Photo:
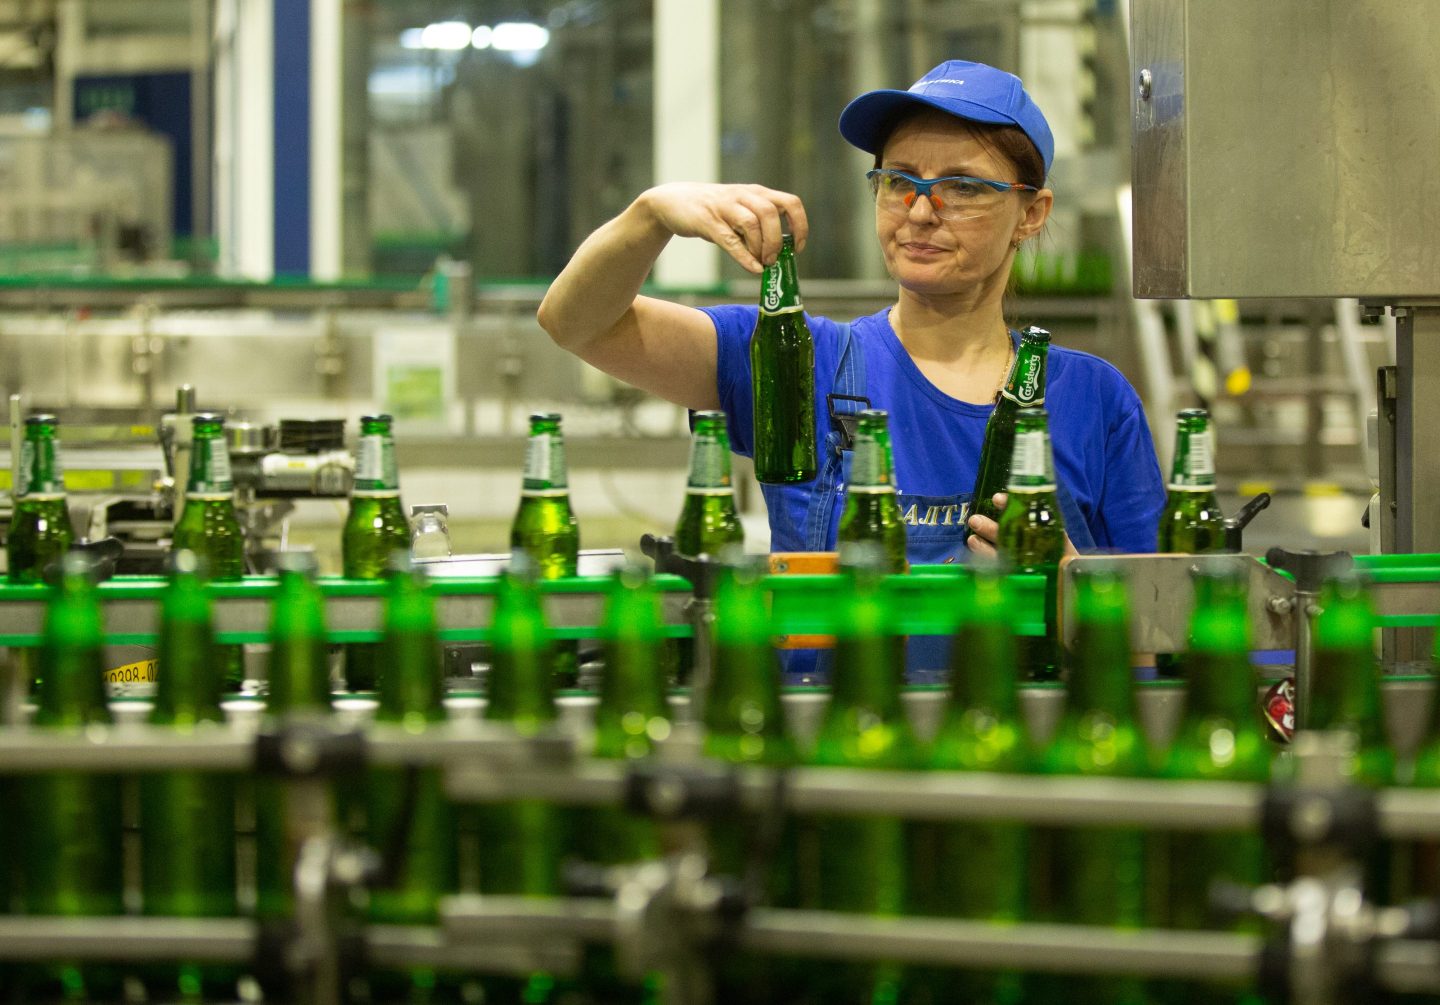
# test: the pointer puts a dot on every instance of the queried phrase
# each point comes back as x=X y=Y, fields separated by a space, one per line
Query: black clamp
x=1235 y=525
x=1310 y=568
x=308 y=750
x=845 y=421
x=702 y=570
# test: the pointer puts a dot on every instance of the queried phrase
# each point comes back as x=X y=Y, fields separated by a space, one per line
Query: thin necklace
x=1005 y=371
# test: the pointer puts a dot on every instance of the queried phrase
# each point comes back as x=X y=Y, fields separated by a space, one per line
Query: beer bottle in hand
x=872 y=513
x=1024 y=388
x=375 y=528
x=209 y=527
x=1032 y=532
x=187 y=818
x=708 y=521
x=782 y=370
x=40 y=529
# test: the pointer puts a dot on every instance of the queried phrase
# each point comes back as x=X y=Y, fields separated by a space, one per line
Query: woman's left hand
x=984 y=530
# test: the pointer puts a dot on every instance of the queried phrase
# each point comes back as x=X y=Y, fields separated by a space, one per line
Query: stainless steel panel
x=1288 y=148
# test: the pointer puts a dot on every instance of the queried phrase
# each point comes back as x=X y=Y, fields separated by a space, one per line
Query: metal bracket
x=845 y=421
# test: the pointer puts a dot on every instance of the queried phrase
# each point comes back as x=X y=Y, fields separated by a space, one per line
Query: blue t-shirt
x=1111 y=489
x=1111 y=492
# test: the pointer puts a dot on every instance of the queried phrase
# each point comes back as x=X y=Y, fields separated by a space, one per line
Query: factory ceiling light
x=446 y=35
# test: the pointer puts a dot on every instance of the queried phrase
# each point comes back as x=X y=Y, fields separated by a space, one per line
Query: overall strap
x=847 y=398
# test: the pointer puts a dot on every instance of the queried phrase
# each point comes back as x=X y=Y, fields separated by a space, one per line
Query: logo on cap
x=941 y=80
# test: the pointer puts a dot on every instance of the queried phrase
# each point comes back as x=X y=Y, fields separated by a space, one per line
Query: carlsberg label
x=1024 y=388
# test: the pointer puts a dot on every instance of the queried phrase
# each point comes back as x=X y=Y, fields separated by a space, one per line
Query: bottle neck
x=780 y=286
x=412 y=688
x=521 y=691
x=187 y=688
x=41 y=476
x=709 y=466
x=376 y=473
x=1032 y=465
x=864 y=676
x=1100 y=680
x=870 y=470
x=1026 y=384
x=545 y=470
x=985 y=678
x=72 y=686
x=209 y=469
x=1194 y=466
x=299 y=670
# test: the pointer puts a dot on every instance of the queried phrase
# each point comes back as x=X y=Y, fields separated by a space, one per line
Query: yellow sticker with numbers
x=140 y=672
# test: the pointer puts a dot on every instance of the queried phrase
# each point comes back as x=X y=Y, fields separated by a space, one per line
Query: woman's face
x=928 y=255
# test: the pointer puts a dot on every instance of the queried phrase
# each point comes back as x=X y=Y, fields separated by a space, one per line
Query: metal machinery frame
x=668 y=915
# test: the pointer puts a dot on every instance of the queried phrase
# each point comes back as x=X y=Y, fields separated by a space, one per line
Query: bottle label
x=709 y=466
x=772 y=294
x=1195 y=467
x=34 y=488
x=1030 y=471
x=1026 y=385
x=868 y=470
x=375 y=470
x=545 y=466
x=211 y=476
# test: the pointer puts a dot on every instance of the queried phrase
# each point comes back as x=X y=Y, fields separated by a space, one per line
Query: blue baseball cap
x=966 y=90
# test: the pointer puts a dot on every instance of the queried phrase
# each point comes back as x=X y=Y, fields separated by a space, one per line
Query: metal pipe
x=1306 y=607
x=130 y=940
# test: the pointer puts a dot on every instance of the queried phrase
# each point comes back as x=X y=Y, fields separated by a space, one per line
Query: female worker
x=960 y=159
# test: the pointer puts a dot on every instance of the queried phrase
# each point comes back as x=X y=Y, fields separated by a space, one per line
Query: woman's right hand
x=744 y=220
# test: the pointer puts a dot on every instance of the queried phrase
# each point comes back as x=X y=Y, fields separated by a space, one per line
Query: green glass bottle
x=1345 y=698
x=745 y=724
x=69 y=823
x=411 y=695
x=1423 y=857
x=1032 y=533
x=782 y=366
x=974 y=870
x=1345 y=691
x=708 y=520
x=1192 y=522
x=521 y=842
x=208 y=525
x=545 y=527
x=375 y=528
x=631 y=717
x=872 y=512
x=1220 y=739
x=187 y=818
x=1024 y=388
x=40 y=529
x=1097 y=874
x=298 y=680
x=859 y=861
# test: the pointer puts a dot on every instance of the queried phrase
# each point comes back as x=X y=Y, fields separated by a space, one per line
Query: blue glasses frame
x=924 y=185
